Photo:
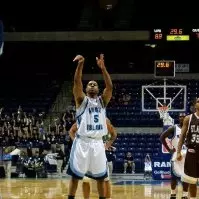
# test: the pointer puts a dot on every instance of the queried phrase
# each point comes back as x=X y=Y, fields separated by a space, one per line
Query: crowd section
x=27 y=129
x=32 y=149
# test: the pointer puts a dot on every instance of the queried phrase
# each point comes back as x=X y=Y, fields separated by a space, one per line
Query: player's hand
x=179 y=156
x=79 y=58
x=100 y=61
x=107 y=145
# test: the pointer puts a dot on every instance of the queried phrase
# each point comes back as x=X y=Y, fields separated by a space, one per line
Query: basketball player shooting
x=177 y=168
x=88 y=152
x=190 y=131
x=86 y=181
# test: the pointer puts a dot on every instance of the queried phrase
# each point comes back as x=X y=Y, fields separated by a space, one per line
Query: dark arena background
x=151 y=50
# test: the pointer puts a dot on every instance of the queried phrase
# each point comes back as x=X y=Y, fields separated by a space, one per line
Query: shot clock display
x=175 y=34
x=164 y=69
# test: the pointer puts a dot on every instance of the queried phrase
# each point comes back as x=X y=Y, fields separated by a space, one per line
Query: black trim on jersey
x=101 y=101
x=86 y=104
x=174 y=132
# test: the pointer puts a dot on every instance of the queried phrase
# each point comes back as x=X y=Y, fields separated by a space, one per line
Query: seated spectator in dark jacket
x=129 y=163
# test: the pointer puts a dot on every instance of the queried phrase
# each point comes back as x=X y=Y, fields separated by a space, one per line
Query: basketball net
x=164 y=115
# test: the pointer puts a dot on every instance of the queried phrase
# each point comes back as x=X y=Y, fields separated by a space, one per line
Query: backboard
x=172 y=95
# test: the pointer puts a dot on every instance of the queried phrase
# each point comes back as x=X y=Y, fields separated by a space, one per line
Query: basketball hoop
x=163 y=110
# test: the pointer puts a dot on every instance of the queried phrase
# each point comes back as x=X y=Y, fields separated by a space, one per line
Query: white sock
x=173 y=191
x=185 y=194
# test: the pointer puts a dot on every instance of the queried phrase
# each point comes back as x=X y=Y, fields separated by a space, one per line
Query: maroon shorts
x=191 y=167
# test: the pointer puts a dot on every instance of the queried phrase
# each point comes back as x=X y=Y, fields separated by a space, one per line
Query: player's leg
x=98 y=165
x=125 y=166
x=73 y=184
x=173 y=188
x=110 y=168
x=133 y=167
x=185 y=187
x=86 y=187
x=78 y=165
x=173 y=182
x=86 y=190
x=146 y=174
x=108 y=190
x=193 y=191
x=107 y=184
x=100 y=188
x=191 y=172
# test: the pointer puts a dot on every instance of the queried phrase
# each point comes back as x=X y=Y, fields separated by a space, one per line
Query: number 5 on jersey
x=96 y=118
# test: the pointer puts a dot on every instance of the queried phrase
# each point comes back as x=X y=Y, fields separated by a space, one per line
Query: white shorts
x=178 y=166
x=88 y=157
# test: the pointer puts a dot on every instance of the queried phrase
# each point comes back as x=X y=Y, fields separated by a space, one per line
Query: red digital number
x=174 y=31
x=158 y=36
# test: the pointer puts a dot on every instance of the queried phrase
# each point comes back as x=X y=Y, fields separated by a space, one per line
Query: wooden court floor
x=58 y=189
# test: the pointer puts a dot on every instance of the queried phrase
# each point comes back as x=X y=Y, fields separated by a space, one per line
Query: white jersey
x=175 y=140
x=91 y=118
x=176 y=137
x=147 y=166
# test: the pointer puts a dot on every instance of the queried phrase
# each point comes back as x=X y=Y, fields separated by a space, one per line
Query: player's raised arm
x=182 y=136
x=78 y=86
x=169 y=132
x=107 y=93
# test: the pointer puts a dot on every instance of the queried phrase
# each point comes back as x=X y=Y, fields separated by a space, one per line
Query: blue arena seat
x=133 y=140
x=138 y=155
x=120 y=155
x=133 y=144
x=122 y=149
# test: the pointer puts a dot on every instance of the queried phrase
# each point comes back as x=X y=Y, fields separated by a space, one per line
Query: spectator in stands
x=7 y=160
x=110 y=155
x=126 y=99
x=60 y=159
x=129 y=163
x=68 y=119
x=147 y=166
x=37 y=156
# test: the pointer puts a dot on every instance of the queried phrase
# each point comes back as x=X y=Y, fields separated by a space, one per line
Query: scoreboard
x=175 y=34
x=164 y=69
